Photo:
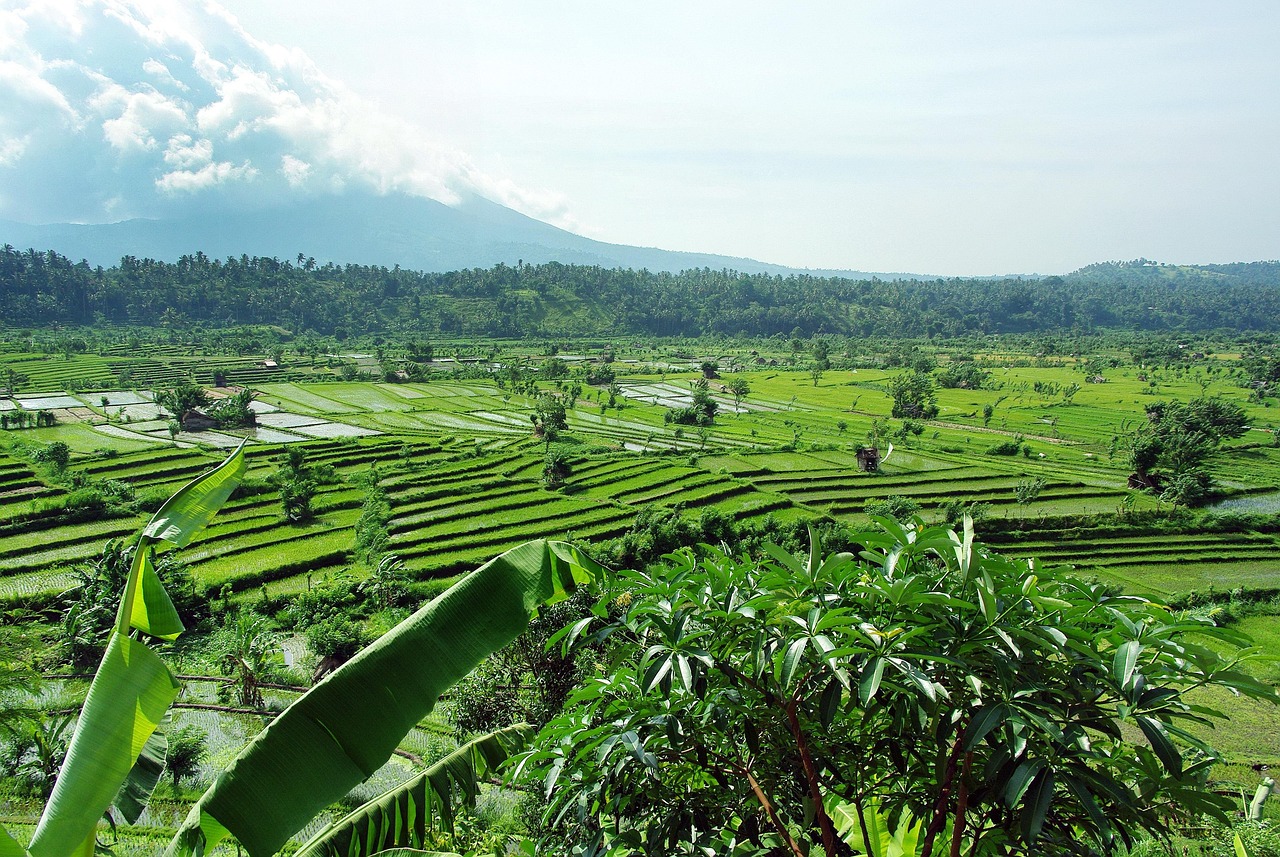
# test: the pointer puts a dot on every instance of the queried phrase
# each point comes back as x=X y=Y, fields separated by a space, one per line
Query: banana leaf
x=402 y=816
x=9 y=846
x=337 y=734
x=132 y=689
x=136 y=790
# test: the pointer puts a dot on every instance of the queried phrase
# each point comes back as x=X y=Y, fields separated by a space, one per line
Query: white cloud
x=184 y=153
x=295 y=171
x=141 y=104
x=11 y=150
x=159 y=70
x=208 y=176
x=140 y=116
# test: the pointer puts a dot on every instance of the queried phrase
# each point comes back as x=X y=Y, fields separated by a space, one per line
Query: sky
x=986 y=137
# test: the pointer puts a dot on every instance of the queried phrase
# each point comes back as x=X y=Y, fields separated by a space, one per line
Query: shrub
x=742 y=706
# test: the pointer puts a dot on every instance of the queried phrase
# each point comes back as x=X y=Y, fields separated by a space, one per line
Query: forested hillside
x=555 y=299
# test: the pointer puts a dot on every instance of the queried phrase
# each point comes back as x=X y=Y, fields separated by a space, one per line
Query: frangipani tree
x=923 y=695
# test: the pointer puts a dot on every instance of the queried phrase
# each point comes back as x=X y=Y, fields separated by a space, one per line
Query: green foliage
x=913 y=396
x=556 y=467
x=549 y=415
x=407 y=815
x=132 y=688
x=182 y=398
x=297 y=482
x=701 y=411
x=1178 y=439
x=735 y=698
x=188 y=747
x=894 y=506
x=234 y=411
x=1006 y=447
x=368 y=705
x=335 y=638
x=247 y=648
x=57 y=455
x=965 y=376
x=1028 y=490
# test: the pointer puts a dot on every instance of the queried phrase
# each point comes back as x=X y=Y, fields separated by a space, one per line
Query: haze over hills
x=159 y=130
x=367 y=229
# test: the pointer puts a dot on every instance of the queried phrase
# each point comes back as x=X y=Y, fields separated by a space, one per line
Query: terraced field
x=462 y=472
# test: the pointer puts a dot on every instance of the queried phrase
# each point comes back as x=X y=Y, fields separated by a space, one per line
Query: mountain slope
x=411 y=232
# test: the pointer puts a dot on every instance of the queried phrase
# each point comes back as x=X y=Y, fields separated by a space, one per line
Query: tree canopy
x=924 y=686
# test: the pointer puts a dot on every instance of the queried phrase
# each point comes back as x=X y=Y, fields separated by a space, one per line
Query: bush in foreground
x=924 y=688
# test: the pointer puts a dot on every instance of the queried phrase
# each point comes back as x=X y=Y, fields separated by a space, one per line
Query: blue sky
x=974 y=138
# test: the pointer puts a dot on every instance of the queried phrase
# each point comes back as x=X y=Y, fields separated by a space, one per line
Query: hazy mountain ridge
x=411 y=232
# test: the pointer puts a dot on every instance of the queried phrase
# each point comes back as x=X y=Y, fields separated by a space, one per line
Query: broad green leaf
x=153 y=611
x=829 y=704
x=188 y=511
x=1164 y=748
x=1039 y=796
x=1125 y=662
x=128 y=698
x=342 y=730
x=982 y=723
x=1241 y=851
x=791 y=661
x=9 y=846
x=1021 y=780
x=870 y=683
x=402 y=816
x=136 y=790
x=145 y=605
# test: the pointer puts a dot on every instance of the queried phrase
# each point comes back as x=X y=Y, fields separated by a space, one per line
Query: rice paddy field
x=461 y=467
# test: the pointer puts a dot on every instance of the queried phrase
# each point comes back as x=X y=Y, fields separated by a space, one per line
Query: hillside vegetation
x=39 y=289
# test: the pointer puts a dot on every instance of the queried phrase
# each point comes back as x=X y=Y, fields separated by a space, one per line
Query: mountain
x=362 y=228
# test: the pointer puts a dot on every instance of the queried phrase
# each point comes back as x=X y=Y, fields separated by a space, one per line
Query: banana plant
x=132 y=688
x=342 y=730
x=402 y=816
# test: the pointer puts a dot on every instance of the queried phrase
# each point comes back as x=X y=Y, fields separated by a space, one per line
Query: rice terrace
x=417 y=471
x=577 y=430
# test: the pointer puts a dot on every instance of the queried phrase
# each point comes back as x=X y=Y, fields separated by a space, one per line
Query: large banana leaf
x=132 y=688
x=402 y=816
x=9 y=846
x=342 y=730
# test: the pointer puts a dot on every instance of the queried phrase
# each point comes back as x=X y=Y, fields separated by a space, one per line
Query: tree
x=740 y=389
x=297 y=482
x=57 y=455
x=913 y=396
x=556 y=467
x=1028 y=490
x=247 y=646
x=187 y=748
x=234 y=411
x=923 y=683
x=816 y=372
x=1175 y=444
x=821 y=354
x=182 y=398
x=700 y=411
x=549 y=416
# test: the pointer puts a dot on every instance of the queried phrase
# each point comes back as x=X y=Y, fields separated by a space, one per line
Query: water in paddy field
x=1251 y=504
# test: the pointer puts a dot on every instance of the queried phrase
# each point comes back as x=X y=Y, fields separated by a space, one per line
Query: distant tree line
x=39 y=289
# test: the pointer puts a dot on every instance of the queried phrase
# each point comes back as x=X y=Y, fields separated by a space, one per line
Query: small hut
x=868 y=459
x=197 y=421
